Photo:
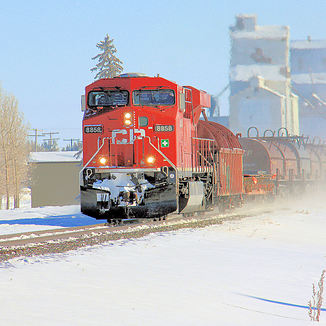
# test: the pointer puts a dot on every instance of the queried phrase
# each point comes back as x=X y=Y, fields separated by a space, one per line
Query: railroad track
x=66 y=239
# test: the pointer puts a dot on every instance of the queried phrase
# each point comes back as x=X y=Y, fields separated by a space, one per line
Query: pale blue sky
x=46 y=46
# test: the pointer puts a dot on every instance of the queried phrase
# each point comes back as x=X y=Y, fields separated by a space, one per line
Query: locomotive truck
x=146 y=153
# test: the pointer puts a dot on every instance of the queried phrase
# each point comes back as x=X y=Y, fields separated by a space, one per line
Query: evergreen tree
x=76 y=146
x=108 y=65
x=50 y=146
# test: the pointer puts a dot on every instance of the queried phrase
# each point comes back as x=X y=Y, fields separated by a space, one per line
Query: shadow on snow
x=61 y=220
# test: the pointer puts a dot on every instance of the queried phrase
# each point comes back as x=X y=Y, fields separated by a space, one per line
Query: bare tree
x=13 y=148
x=5 y=128
x=108 y=65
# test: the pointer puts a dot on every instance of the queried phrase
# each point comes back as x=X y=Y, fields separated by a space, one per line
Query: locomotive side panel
x=231 y=178
x=228 y=152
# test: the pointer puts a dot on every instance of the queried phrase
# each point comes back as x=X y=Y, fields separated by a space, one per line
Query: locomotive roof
x=134 y=78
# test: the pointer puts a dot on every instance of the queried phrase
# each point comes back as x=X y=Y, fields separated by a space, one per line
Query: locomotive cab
x=130 y=139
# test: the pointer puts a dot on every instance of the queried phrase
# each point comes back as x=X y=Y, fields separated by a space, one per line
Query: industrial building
x=260 y=83
x=308 y=73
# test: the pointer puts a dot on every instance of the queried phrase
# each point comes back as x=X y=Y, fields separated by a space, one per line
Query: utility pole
x=71 y=140
x=35 y=135
x=50 y=139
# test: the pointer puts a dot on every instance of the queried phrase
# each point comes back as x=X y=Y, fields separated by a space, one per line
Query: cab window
x=107 y=98
x=162 y=97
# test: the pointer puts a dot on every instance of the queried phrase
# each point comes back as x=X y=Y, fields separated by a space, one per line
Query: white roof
x=67 y=156
x=271 y=32
x=313 y=78
x=245 y=72
x=316 y=44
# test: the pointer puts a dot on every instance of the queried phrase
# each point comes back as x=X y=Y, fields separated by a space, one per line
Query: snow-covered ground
x=42 y=218
x=212 y=276
x=27 y=219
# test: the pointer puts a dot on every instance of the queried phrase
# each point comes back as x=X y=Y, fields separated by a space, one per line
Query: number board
x=164 y=128
x=93 y=129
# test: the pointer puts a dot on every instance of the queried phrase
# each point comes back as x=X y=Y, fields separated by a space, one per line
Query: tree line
x=53 y=146
x=14 y=149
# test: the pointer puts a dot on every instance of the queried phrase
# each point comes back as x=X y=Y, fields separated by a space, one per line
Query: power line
x=51 y=139
x=36 y=135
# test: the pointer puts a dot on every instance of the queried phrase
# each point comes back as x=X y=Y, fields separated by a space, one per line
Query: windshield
x=108 y=98
x=154 y=97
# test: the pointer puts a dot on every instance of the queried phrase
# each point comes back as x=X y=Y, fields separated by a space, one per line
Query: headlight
x=150 y=159
x=103 y=160
x=127 y=119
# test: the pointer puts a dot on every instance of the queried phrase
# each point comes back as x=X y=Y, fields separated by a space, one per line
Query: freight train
x=282 y=164
x=149 y=150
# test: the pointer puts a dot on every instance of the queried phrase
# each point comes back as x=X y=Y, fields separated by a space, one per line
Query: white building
x=260 y=82
x=308 y=70
x=262 y=107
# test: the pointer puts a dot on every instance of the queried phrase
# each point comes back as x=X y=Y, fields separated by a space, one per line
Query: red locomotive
x=146 y=153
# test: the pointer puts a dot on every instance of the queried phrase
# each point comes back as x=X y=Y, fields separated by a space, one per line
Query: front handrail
x=85 y=166
x=161 y=153
x=175 y=168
